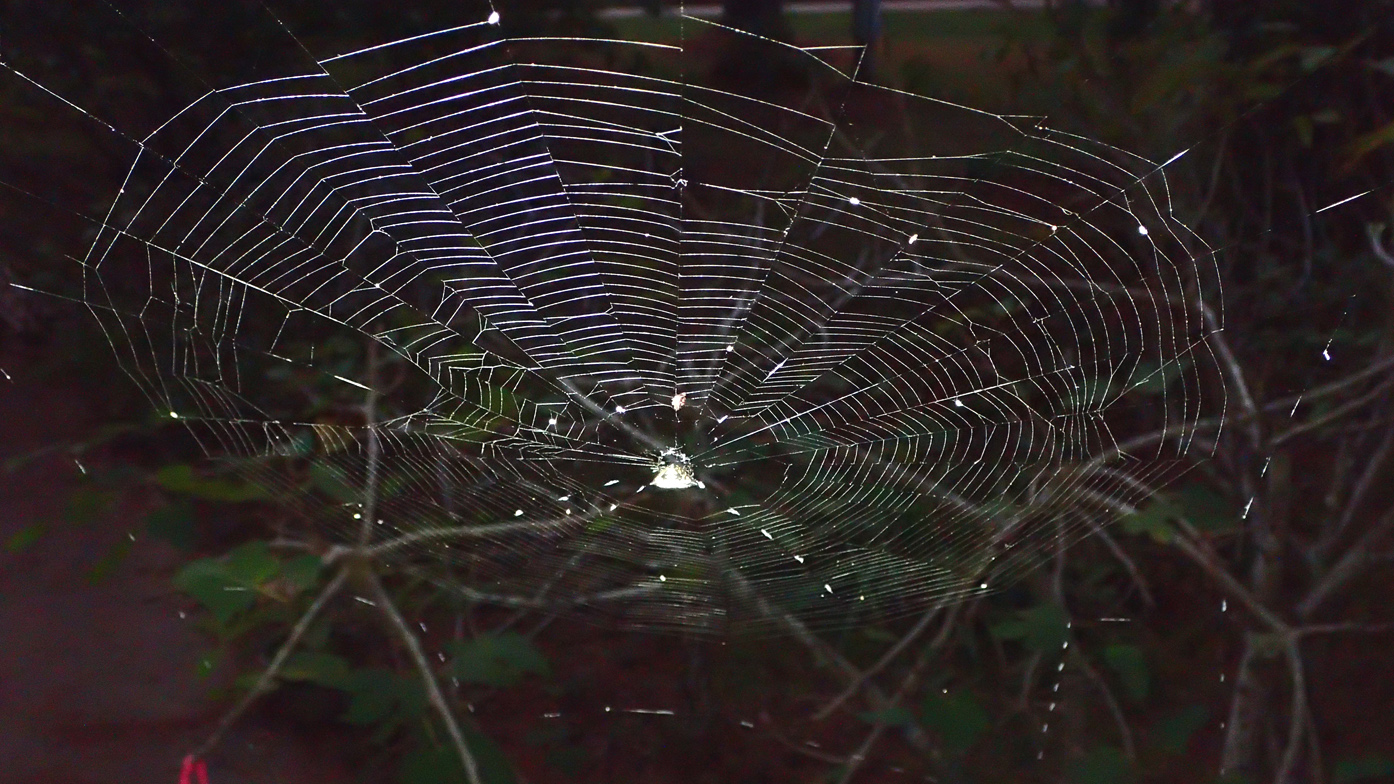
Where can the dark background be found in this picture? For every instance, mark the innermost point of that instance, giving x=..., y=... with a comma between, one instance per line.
x=1257, y=644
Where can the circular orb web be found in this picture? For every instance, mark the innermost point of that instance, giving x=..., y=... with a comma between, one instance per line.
x=664, y=351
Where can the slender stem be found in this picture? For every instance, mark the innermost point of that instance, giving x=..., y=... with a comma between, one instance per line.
x=277, y=662
x=428, y=678
x=1124, y=731
x=855, y=684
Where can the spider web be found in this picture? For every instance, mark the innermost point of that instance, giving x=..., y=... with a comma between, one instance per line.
x=686, y=355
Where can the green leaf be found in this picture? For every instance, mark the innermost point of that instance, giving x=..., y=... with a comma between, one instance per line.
x=497, y=659
x=1041, y=628
x=333, y=482
x=251, y=564
x=1174, y=732
x=374, y=695
x=1385, y=66
x=173, y=523
x=207, y=663
x=207, y=581
x=1131, y=666
x=1369, y=142
x=897, y=716
x=302, y=571
x=87, y=504
x=441, y=764
x=325, y=669
x=1103, y=765
x=25, y=537
x=182, y=479
x=227, y=586
x=1371, y=767
x=957, y=718
x=107, y=564
x=1153, y=520
x=1148, y=377
x=1206, y=509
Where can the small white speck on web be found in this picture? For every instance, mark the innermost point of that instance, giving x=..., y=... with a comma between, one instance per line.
x=730, y=347
x=679, y=400
x=613, y=507
x=6, y=375
x=357, y=516
x=612, y=483
x=663, y=578
x=365, y=601
x=516, y=513
x=747, y=725
x=80, y=466
x=767, y=534
x=914, y=238
x=798, y=558
x=174, y=415
x=854, y=201
x=1141, y=229
x=620, y=409
x=422, y=624
x=566, y=497
x=827, y=588
x=551, y=421
x=733, y=510
x=494, y=18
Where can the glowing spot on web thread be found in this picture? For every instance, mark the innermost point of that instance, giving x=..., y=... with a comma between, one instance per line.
x=494, y=18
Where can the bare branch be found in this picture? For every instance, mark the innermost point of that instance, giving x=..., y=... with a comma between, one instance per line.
x=1332, y=415
x=428, y=677
x=277, y=662
x=1356, y=558
x=1374, y=231
x=1124, y=731
x=895, y=650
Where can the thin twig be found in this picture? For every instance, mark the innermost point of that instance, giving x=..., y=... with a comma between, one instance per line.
x=277, y=662
x=428, y=678
x=1347, y=568
x=858, y=757
x=1332, y=415
x=1124, y=731
x=855, y=684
